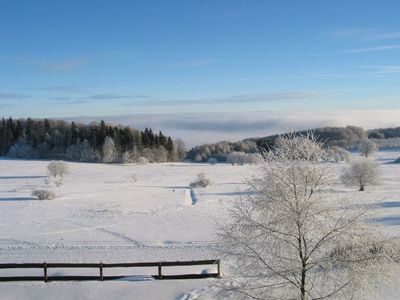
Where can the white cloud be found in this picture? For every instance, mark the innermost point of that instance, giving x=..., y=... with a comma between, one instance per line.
x=10, y=96
x=197, y=128
x=383, y=36
x=248, y=98
x=373, y=49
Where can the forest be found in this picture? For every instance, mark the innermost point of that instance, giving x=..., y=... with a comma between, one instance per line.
x=95, y=142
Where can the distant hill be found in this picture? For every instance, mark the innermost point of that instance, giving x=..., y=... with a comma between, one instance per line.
x=346, y=137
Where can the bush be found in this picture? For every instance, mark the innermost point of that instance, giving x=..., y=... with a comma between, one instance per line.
x=241, y=158
x=57, y=168
x=338, y=154
x=212, y=161
x=142, y=160
x=43, y=194
x=201, y=181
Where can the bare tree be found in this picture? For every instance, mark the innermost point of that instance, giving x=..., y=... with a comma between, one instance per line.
x=288, y=239
x=361, y=173
x=367, y=147
x=57, y=168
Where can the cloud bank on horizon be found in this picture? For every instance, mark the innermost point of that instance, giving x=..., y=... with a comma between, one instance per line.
x=198, y=128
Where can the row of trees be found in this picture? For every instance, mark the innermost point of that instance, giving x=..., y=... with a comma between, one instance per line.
x=221, y=150
x=384, y=133
x=96, y=142
x=336, y=138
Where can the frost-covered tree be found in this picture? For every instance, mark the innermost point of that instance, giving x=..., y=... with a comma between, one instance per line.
x=21, y=149
x=142, y=160
x=87, y=153
x=288, y=239
x=240, y=158
x=367, y=147
x=109, y=151
x=338, y=154
x=361, y=173
x=180, y=149
x=57, y=168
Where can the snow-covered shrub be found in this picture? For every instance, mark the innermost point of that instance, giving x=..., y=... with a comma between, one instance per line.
x=43, y=194
x=253, y=158
x=212, y=161
x=361, y=173
x=338, y=154
x=235, y=158
x=21, y=150
x=201, y=181
x=127, y=158
x=57, y=168
x=142, y=160
x=240, y=158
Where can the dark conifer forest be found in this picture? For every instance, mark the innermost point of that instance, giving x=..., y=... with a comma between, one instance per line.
x=95, y=142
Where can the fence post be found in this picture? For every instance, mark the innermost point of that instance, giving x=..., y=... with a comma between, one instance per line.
x=101, y=272
x=45, y=271
x=219, y=268
x=159, y=271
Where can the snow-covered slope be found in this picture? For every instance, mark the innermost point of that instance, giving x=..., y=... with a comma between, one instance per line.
x=130, y=213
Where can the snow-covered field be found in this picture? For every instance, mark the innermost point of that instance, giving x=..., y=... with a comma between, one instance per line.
x=132, y=213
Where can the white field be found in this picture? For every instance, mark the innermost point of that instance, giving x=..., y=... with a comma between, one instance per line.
x=133, y=213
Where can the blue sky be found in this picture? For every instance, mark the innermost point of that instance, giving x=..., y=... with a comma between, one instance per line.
x=90, y=58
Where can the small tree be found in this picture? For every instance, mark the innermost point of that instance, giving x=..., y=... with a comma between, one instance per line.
x=109, y=151
x=57, y=168
x=338, y=154
x=361, y=173
x=180, y=147
x=367, y=147
x=288, y=240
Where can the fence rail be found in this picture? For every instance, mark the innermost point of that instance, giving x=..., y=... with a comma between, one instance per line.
x=101, y=266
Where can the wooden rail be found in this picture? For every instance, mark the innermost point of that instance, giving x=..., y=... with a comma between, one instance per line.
x=101, y=266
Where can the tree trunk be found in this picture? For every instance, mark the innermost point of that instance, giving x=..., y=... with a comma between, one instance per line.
x=361, y=189
x=303, y=284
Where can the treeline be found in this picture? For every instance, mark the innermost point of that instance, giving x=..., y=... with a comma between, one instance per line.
x=96, y=142
x=345, y=137
x=221, y=150
x=384, y=133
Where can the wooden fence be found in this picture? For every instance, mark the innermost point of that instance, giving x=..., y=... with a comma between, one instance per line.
x=101, y=266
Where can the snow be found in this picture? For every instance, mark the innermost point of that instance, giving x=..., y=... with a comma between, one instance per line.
x=133, y=213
